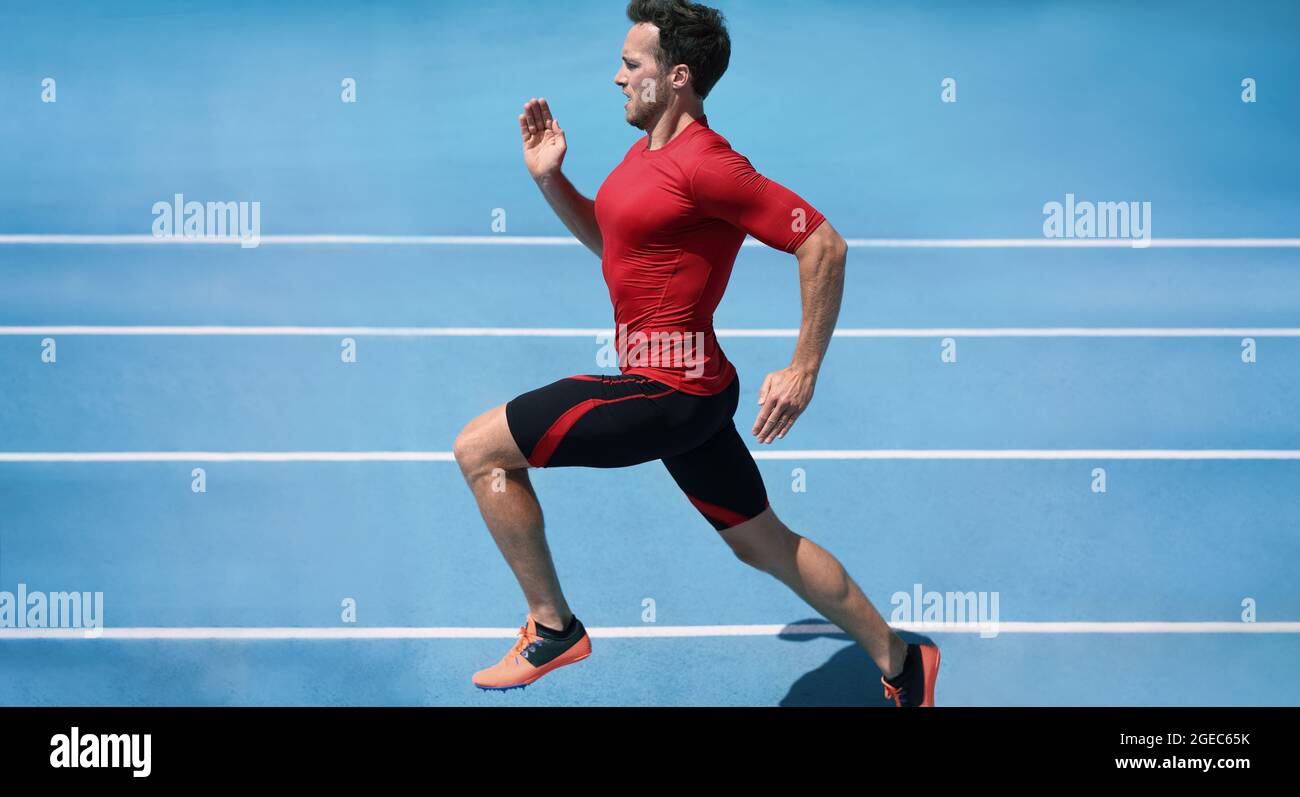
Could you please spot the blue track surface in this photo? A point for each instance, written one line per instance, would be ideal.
(839, 100)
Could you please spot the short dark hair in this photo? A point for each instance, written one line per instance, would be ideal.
(689, 33)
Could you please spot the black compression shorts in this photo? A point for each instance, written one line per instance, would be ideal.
(614, 421)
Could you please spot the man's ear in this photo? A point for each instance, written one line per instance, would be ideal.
(681, 75)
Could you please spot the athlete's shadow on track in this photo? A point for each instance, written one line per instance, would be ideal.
(849, 678)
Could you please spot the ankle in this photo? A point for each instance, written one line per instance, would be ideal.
(553, 619)
(897, 659)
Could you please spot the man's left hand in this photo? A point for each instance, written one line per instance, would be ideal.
(782, 399)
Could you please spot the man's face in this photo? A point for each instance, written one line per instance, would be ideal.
(639, 76)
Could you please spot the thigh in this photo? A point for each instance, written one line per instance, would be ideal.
(605, 421)
(721, 479)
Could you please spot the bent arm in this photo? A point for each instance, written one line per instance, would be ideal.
(821, 287)
(728, 187)
(576, 211)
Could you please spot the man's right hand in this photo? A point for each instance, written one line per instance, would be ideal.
(544, 144)
(544, 149)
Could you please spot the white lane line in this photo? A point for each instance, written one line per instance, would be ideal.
(1068, 243)
(46, 239)
(299, 240)
(226, 456)
(641, 632)
(1030, 454)
(593, 332)
(798, 455)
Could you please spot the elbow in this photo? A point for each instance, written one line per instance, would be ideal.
(826, 245)
(837, 249)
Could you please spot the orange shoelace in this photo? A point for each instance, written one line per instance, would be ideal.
(894, 693)
(525, 643)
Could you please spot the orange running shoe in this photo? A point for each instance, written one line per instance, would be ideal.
(534, 655)
(914, 686)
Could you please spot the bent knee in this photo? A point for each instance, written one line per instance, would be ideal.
(470, 450)
(763, 557)
(463, 448)
(768, 548)
(479, 449)
(751, 555)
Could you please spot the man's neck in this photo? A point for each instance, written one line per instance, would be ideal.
(674, 121)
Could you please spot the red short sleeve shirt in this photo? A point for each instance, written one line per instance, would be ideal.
(672, 221)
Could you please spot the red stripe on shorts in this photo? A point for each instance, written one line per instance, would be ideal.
(719, 513)
(551, 440)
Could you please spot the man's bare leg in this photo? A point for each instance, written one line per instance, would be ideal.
(815, 575)
(497, 473)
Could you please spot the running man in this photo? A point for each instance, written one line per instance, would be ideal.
(667, 225)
